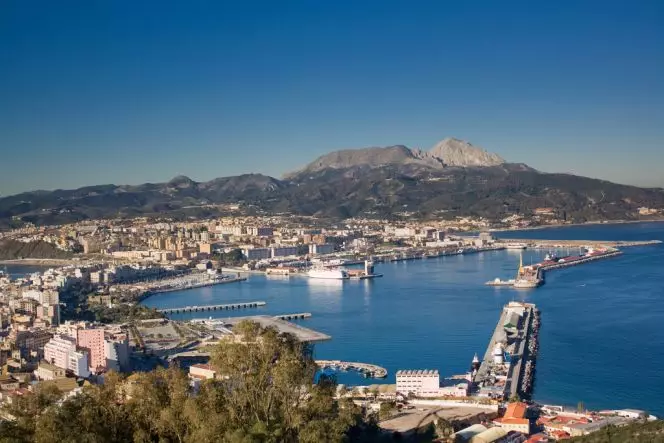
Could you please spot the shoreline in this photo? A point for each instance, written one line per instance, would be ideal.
(569, 225)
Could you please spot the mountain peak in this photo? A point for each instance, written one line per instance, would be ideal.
(181, 181)
(455, 152)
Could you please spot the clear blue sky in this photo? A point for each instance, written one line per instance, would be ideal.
(110, 91)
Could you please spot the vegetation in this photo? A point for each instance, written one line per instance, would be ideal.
(265, 394)
(492, 192)
(232, 258)
(12, 250)
(650, 432)
(123, 313)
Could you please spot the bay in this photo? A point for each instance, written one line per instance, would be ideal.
(601, 338)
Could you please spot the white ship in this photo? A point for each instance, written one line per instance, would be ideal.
(515, 246)
(329, 273)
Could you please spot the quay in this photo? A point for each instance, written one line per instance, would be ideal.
(205, 308)
(298, 316)
(508, 366)
(539, 269)
(549, 244)
(366, 369)
(301, 333)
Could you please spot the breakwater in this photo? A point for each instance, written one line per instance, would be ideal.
(504, 370)
(527, 381)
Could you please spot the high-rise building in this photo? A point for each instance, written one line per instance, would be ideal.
(61, 351)
(92, 340)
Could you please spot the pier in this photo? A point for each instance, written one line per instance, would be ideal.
(541, 268)
(366, 369)
(508, 365)
(298, 316)
(205, 308)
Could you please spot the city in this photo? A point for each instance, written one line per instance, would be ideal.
(343, 222)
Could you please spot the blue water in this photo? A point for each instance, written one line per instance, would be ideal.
(601, 338)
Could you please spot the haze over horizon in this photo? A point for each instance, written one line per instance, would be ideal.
(125, 93)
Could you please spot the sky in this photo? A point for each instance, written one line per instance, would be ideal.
(127, 92)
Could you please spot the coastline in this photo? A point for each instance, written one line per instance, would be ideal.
(570, 225)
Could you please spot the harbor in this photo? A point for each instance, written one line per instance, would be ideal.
(374, 322)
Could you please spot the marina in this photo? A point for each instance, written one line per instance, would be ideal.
(367, 370)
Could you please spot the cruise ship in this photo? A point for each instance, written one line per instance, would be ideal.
(329, 273)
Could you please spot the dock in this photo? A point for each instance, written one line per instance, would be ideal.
(298, 316)
(206, 308)
(541, 268)
(508, 365)
(366, 369)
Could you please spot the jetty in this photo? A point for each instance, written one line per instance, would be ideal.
(298, 316)
(205, 308)
(366, 369)
(508, 365)
(537, 271)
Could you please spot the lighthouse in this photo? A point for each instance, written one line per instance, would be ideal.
(475, 365)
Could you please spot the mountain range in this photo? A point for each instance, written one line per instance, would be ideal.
(453, 178)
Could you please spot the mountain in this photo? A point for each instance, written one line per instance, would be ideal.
(448, 152)
(454, 152)
(453, 178)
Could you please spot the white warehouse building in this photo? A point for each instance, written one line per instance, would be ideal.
(419, 382)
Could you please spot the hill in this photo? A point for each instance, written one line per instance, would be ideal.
(454, 178)
(12, 250)
(650, 432)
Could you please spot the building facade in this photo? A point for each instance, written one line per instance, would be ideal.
(418, 382)
(61, 351)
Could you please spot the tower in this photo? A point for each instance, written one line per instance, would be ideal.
(475, 365)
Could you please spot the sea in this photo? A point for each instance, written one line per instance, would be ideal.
(602, 334)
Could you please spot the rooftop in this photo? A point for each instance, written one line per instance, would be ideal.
(417, 372)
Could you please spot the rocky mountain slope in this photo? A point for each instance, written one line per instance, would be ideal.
(454, 178)
(448, 152)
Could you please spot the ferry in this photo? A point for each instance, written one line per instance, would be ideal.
(328, 274)
(515, 246)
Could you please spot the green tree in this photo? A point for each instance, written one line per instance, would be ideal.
(580, 407)
(387, 409)
(264, 392)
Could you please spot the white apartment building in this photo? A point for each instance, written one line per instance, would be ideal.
(419, 382)
(61, 351)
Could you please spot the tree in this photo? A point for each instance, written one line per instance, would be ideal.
(264, 392)
(444, 428)
(514, 398)
(387, 409)
(580, 407)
